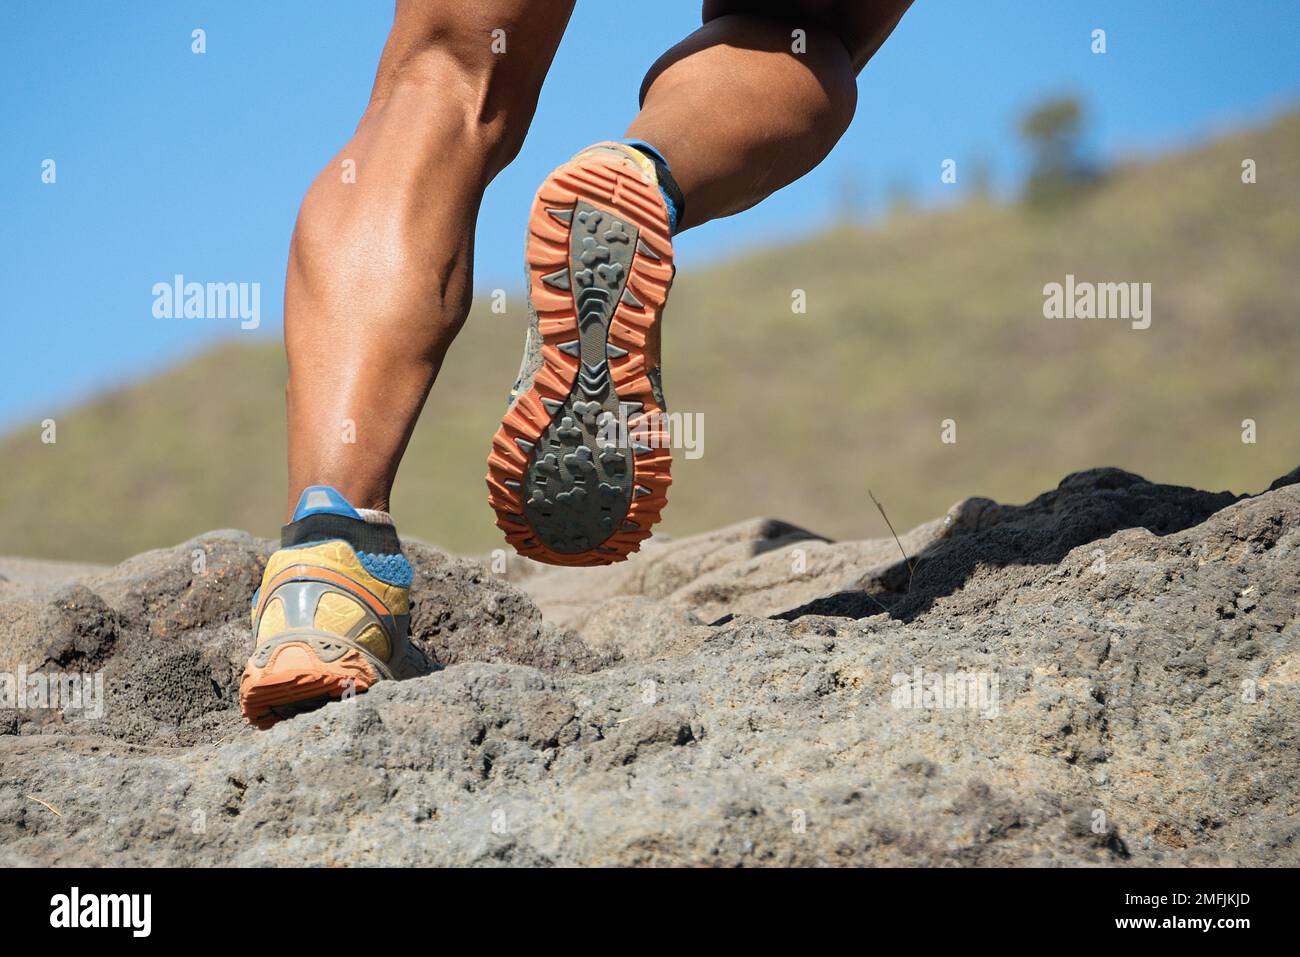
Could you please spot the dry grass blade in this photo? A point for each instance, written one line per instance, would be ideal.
(910, 567)
(46, 805)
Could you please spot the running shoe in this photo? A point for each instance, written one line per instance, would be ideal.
(580, 466)
(332, 614)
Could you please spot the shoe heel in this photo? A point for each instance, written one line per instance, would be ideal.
(293, 673)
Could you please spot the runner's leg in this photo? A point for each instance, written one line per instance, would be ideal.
(746, 104)
(379, 276)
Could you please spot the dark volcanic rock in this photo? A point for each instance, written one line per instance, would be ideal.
(1121, 663)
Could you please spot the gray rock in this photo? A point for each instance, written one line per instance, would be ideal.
(1129, 654)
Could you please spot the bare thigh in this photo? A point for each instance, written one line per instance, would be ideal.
(861, 25)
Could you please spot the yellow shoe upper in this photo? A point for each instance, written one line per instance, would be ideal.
(325, 587)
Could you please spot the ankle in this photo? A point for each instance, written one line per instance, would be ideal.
(673, 198)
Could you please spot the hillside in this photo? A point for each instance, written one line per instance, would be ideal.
(926, 317)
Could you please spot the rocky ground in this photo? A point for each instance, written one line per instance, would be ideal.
(738, 698)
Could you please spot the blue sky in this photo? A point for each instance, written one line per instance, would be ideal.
(170, 162)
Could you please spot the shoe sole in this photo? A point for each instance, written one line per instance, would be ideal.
(297, 673)
(567, 488)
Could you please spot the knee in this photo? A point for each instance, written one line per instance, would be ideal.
(485, 64)
(489, 105)
(817, 67)
(817, 72)
(831, 63)
(803, 58)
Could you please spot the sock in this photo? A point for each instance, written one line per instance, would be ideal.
(672, 194)
(323, 514)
